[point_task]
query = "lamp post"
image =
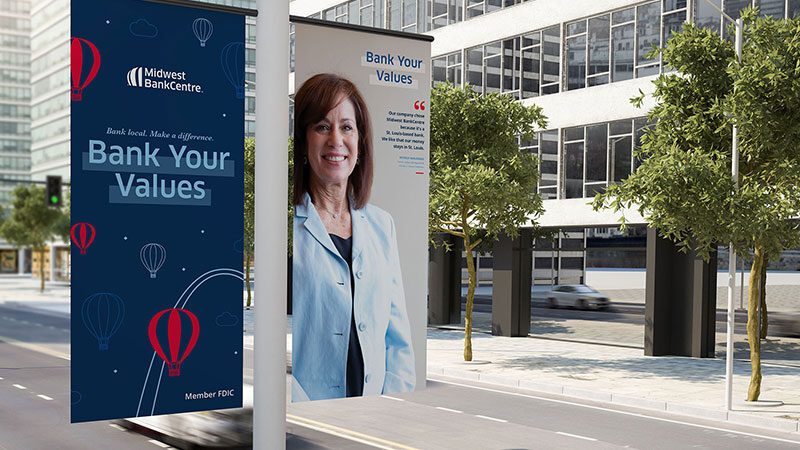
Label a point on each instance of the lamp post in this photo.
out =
(731, 254)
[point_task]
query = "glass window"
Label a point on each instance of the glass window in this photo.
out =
(626, 15)
(573, 164)
(576, 62)
(531, 63)
(576, 28)
(620, 148)
(492, 73)
(596, 153)
(599, 39)
(648, 25)
(706, 16)
(794, 8)
(475, 68)
(622, 54)
(439, 67)
(672, 5)
(673, 24)
(774, 8)
(551, 60)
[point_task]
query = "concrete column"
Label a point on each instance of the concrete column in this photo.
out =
(680, 301)
(52, 262)
(444, 282)
(511, 289)
(21, 261)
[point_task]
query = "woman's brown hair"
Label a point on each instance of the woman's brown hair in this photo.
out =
(318, 95)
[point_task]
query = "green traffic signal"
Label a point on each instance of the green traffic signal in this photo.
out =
(54, 200)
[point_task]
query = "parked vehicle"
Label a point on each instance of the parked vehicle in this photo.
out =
(577, 296)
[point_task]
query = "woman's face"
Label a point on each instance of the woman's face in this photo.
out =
(333, 144)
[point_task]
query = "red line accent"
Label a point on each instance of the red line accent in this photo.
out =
(420, 173)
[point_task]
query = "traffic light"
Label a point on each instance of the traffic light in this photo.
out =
(53, 190)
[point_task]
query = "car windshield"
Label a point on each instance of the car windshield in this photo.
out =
(584, 289)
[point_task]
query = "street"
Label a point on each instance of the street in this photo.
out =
(448, 414)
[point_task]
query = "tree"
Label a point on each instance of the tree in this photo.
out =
(248, 243)
(481, 184)
(684, 186)
(250, 205)
(31, 223)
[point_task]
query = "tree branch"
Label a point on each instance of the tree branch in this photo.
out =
(445, 230)
(475, 244)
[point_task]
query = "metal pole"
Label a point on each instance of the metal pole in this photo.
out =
(732, 259)
(272, 134)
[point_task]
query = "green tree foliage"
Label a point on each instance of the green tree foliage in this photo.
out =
(31, 223)
(480, 183)
(250, 206)
(249, 211)
(684, 185)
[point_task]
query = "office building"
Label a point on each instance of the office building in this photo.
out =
(581, 61)
(15, 113)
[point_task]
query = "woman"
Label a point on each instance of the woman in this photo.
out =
(350, 331)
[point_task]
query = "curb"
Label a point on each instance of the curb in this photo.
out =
(733, 417)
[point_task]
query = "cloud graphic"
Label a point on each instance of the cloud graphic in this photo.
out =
(227, 319)
(143, 28)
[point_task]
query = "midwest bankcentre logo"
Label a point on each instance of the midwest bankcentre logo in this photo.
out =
(166, 80)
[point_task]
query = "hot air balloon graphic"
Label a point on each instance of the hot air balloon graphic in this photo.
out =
(232, 59)
(174, 330)
(203, 29)
(82, 235)
(80, 77)
(102, 315)
(153, 256)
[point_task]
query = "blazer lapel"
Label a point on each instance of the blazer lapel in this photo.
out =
(313, 223)
(360, 230)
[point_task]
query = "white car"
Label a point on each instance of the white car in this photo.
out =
(577, 296)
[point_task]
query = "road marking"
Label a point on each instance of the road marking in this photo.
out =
(158, 443)
(24, 322)
(346, 434)
(626, 413)
(384, 396)
(491, 418)
(35, 348)
(19, 386)
(44, 397)
(450, 410)
(117, 427)
(576, 436)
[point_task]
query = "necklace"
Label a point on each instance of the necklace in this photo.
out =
(335, 215)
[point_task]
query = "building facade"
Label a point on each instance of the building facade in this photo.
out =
(15, 113)
(581, 61)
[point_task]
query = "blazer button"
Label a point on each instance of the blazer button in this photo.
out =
(366, 378)
(359, 274)
(362, 326)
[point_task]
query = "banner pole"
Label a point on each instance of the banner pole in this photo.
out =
(272, 133)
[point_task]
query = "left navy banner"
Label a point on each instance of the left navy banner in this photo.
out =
(157, 209)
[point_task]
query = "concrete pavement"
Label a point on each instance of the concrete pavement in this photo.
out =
(562, 359)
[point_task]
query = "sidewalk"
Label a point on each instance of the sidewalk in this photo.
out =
(564, 357)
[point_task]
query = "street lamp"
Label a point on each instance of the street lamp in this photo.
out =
(732, 256)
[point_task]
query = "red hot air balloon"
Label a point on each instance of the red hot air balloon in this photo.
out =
(81, 235)
(79, 78)
(174, 338)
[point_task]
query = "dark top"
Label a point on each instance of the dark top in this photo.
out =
(355, 360)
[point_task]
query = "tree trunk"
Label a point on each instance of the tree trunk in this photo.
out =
(763, 297)
(247, 277)
(753, 299)
(41, 269)
(470, 298)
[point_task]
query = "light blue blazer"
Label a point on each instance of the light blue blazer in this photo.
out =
(322, 304)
